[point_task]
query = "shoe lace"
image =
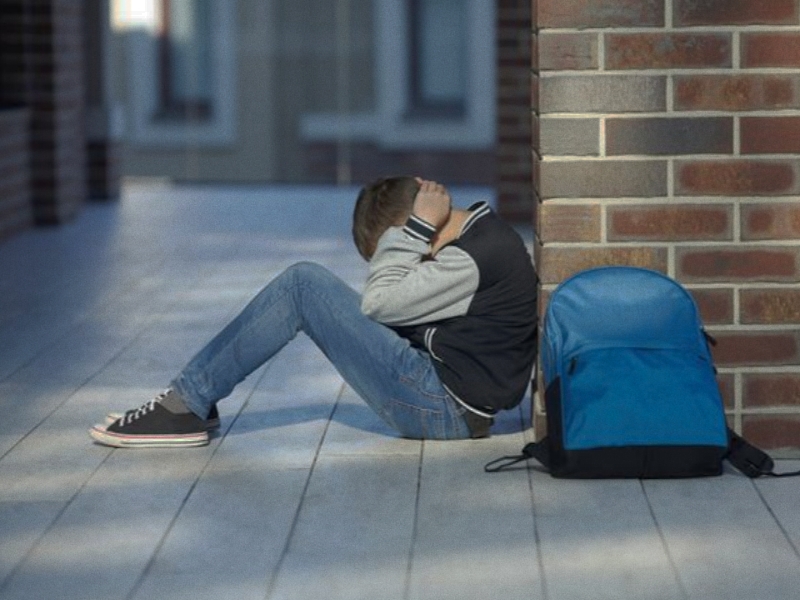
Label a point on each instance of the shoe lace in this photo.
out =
(138, 413)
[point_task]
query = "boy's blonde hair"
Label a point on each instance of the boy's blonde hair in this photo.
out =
(382, 204)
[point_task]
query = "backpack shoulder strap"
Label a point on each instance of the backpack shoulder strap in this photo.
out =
(538, 450)
(750, 460)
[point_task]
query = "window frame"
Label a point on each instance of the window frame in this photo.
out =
(392, 124)
(420, 107)
(147, 123)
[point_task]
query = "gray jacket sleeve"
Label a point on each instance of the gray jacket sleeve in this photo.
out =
(405, 289)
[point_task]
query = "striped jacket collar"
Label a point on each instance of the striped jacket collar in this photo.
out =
(478, 210)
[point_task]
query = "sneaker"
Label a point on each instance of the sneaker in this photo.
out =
(152, 426)
(212, 422)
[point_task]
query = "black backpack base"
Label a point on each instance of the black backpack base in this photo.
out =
(641, 462)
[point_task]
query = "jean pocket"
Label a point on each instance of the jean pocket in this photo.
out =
(417, 422)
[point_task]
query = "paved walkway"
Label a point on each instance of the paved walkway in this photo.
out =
(303, 493)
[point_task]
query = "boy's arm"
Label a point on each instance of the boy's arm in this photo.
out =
(405, 289)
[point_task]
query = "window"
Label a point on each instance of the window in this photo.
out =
(438, 56)
(434, 79)
(181, 80)
(185, 68)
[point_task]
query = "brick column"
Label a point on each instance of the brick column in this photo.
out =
(670, 139)
(514, 184)
(56, 102)
(15, 208)
(102, 150)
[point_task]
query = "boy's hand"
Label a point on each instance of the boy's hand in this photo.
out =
(432, 203)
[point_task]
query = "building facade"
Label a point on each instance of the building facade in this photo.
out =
(306, 91)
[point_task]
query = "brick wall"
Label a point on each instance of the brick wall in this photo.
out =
(15, 208)
(514, 48)
(102, 170)
(667, 135)
(102, 149)
(15, 212)
(58, 148)
(41, 69)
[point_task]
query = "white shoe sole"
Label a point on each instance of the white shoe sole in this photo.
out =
(117, 440)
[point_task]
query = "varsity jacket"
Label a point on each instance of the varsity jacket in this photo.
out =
(472, 306)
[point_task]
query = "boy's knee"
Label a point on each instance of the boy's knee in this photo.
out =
(307, 271)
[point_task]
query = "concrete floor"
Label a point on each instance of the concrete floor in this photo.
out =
(303, 493)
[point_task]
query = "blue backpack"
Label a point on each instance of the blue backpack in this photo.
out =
(630, 385)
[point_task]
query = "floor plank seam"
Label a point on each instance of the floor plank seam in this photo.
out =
(663, 539)
(149, 323)
(787, 536)
(81, 320)
(415, 524)
(273, 578)
(50, 526)
(154, 556)
(537, 539)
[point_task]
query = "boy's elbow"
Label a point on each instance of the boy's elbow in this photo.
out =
(370, 308)
(376, 310)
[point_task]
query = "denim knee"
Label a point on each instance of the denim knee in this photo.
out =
(307, 271)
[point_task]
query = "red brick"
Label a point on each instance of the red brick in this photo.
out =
(715, 305)
(775, 221)
(558, 263)
(770, 389)
(770, 135)
(770, 306)
(772, 432)
(567, 51)
(736, 178)
(735, 12)
(738, 263)
(755, 348)
(582, 14)
(667, 50)
(737, 92)
(772, 49)
(669, 223)
(569, 223)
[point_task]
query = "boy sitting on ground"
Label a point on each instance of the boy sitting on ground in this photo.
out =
(444, 336)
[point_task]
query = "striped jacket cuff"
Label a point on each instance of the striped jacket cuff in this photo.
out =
(419, 229)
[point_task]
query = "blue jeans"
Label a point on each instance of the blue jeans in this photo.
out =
(399, 382)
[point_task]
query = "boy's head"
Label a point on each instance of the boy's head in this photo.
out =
(382, 204)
